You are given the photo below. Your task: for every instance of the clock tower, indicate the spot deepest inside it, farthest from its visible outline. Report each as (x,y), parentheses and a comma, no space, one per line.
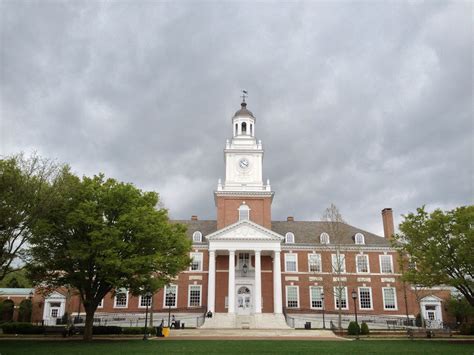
(243,184)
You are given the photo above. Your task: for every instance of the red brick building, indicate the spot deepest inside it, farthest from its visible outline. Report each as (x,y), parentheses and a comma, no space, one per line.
(249,270)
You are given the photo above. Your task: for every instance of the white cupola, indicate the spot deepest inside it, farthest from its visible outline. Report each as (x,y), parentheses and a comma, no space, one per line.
(243,122)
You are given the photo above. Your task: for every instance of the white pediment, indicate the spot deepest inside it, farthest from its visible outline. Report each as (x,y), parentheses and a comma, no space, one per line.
(55,296)
(245,230)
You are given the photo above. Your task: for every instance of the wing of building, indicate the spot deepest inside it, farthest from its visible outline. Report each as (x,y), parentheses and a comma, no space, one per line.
(251,271)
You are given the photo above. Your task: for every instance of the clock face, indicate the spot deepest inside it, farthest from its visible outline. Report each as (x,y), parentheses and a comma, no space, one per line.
(244,163)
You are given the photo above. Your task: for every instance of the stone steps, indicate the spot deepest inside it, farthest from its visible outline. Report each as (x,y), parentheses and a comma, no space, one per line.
(253,321)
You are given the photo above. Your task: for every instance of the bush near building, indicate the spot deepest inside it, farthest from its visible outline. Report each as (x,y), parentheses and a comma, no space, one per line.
(353,328)
(364,329)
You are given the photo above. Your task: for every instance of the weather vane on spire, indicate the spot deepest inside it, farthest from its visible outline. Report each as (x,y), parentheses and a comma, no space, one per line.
(244,95)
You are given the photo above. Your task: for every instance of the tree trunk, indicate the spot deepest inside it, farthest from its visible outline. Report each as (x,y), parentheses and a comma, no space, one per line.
(151,313)
(89,324)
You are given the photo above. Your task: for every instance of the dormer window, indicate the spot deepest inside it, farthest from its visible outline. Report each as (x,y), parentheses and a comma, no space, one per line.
(289,238)
(359,238)
(324,238)
(244,212)
(197,237)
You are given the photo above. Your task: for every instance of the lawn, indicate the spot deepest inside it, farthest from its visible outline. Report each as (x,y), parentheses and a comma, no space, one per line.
(234,347)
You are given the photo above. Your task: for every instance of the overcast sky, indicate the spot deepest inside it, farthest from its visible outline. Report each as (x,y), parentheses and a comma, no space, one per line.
(365,105)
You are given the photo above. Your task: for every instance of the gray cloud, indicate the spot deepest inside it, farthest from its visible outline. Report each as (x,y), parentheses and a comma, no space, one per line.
(361,104)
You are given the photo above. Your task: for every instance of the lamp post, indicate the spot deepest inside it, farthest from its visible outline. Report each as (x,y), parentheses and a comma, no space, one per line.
(354,297)
(322,303)
(168,298)
(148,299)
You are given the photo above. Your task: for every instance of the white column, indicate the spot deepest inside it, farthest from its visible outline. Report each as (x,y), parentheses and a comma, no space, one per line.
(231,288)
(277,303)
(211,286)
(258,283)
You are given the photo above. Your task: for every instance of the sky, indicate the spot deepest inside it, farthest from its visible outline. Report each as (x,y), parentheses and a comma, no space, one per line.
(363,104)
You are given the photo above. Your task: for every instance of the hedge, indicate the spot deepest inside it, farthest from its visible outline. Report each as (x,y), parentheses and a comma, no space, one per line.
(22,328)
(364,329)
(467,329)
(138,330)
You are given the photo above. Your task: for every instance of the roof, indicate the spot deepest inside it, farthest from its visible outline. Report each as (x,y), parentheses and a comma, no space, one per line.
(16,291)
(243,111)
(306,232)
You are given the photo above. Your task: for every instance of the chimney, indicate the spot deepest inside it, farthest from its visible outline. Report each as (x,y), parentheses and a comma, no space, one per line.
(194,218)
(387,219)
(290,219)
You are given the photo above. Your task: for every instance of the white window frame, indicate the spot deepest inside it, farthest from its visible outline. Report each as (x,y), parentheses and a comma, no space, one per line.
(311,297)
(101,304)
(197,237)
(359,239)
(324,238)
(297,296)
(371,298)
(189,295)
(289,238)
(286,261)
(126,299)
(140,301)
(335,298)
(200,264)
(175,295)
(334,259)
(357,264)
(394,298)
(391,263)
(319,262)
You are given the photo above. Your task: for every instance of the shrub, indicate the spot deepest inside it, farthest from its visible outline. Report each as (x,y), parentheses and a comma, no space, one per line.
(138,330)
(353,328)
(102,330)
(364,329)
(22,328)
(418,320)
(467,329)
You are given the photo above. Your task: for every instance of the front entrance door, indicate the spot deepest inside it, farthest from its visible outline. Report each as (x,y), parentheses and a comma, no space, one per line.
(432,318)
(244,300)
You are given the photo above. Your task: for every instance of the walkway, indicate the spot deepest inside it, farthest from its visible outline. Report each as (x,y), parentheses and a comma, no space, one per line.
(240,334)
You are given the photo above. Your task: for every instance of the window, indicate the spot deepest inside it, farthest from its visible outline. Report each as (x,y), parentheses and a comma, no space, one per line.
(324,238)
(121,299)
(197,237)
(244,212)
(251,129)
(362,263)
(236,129)
(389,298)
(145,301)
(291,263)
(194,296)
(386,265)
(365,298)
(292,299)
(289,237)
(359,238)
(314,262)
(338,263)
(101,303)
(244,128)
(244,259)
(196,263)
(340,295)
(316,299)
(54,313)
(171,296)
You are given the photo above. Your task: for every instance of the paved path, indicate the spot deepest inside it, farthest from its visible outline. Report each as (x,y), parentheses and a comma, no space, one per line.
(291,334)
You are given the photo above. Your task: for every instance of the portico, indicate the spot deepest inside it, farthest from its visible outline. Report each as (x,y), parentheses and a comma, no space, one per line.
(244,281)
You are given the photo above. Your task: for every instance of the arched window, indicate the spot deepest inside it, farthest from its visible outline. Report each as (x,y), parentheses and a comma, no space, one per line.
(251,129)
(289,238)
(236,129)
(197,236)
(324,238)
(244,212)
(359,238)
(244,128)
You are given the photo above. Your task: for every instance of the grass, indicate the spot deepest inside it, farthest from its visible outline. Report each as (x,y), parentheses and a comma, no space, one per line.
(104,347)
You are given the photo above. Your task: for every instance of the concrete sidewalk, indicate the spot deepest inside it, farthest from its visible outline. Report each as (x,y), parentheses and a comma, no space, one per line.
(253,334)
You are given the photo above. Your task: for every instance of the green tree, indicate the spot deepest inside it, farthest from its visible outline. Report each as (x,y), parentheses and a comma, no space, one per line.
(440,248)
(23,198)
(101,235)
(460,309)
